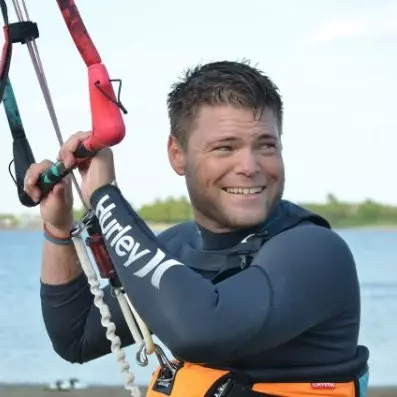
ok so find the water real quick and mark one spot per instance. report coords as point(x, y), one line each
point(27, 355)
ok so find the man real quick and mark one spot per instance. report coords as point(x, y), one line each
point(256, 287)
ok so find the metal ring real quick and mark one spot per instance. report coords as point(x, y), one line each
point(141, 355)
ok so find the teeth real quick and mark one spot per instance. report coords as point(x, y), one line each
point(244, 190)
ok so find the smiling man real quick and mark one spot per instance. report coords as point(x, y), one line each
point(231, 160)
point(257, 296)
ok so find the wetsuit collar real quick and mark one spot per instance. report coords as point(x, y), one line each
point(220, 241)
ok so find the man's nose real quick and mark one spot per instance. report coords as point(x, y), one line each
point(247, 163)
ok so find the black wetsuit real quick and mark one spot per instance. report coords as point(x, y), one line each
point(282, 304)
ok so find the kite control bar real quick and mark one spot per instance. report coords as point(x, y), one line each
point(108, 127)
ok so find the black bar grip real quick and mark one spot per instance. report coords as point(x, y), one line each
point(51, 176)
point(83, 152)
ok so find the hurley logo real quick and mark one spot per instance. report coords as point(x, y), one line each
point(125, 245)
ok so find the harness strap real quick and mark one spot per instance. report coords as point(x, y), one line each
point(235, 386)
point(16, 32)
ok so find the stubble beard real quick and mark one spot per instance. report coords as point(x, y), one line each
point(213, 214)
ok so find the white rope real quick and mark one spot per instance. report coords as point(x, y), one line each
point(105, 316)
point(147, 337)
point(129, 312)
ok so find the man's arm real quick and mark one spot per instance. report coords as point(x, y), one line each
point(72, 321)
point(59, 264)
point(299, 279)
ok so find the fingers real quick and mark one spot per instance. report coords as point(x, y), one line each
point(104, 154)
point(61, 189)
point(84, 166)
point(65, 155)
point(32, 176)
point(69, 147)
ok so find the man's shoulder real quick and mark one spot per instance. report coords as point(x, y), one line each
point(311, 255)
point(310, 234)
point(302, 214)
point(313, 242)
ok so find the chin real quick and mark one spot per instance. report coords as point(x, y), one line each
point(248, 220)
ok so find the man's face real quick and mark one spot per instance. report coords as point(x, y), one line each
point(233, 167)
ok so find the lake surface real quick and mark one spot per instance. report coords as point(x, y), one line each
point(27, 355)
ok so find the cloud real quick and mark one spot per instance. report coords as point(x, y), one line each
point(368, 24)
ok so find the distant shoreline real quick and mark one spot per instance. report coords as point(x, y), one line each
point(159, 227)
point(162, 214)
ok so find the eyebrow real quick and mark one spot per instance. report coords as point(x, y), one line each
point(233, 138)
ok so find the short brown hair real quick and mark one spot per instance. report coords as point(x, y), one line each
point(224, 82)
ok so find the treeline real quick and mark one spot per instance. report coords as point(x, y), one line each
point(8, 221)
point(170, 210)
point(338, 213)
point(173, 210)
point(343, 214)
point(167, 211)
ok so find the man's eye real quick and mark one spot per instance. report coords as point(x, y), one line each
point(268, 146)
point(223, 148)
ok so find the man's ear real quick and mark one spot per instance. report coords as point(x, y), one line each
point(176, 155)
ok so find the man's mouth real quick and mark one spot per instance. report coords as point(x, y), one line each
point(244, 190)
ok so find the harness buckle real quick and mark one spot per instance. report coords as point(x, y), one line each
point(237, 385)
point(166, 376)
point(223, 389)
point(141, 355)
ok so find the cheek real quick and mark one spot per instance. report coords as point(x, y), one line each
point(204, 173)
point(274, 167)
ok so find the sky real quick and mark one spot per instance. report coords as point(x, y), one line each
point(334, 62)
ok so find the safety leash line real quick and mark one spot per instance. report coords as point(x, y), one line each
point(105, 315)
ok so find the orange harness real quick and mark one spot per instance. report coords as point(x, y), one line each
point(193, 380)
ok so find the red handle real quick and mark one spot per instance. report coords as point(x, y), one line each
point(108, 128)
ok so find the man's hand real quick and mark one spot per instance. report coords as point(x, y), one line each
point(57, 207)
point(95, 172)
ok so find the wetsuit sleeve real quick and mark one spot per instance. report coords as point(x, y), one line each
point(73, 322)
point(299, 279)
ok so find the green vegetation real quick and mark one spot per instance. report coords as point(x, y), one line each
point(171, 210)
point(160, 214)
point(343, 214)
point(168, 211)
point(9, 221)
point(340, 214)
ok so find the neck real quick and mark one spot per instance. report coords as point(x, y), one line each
point(222, 239)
